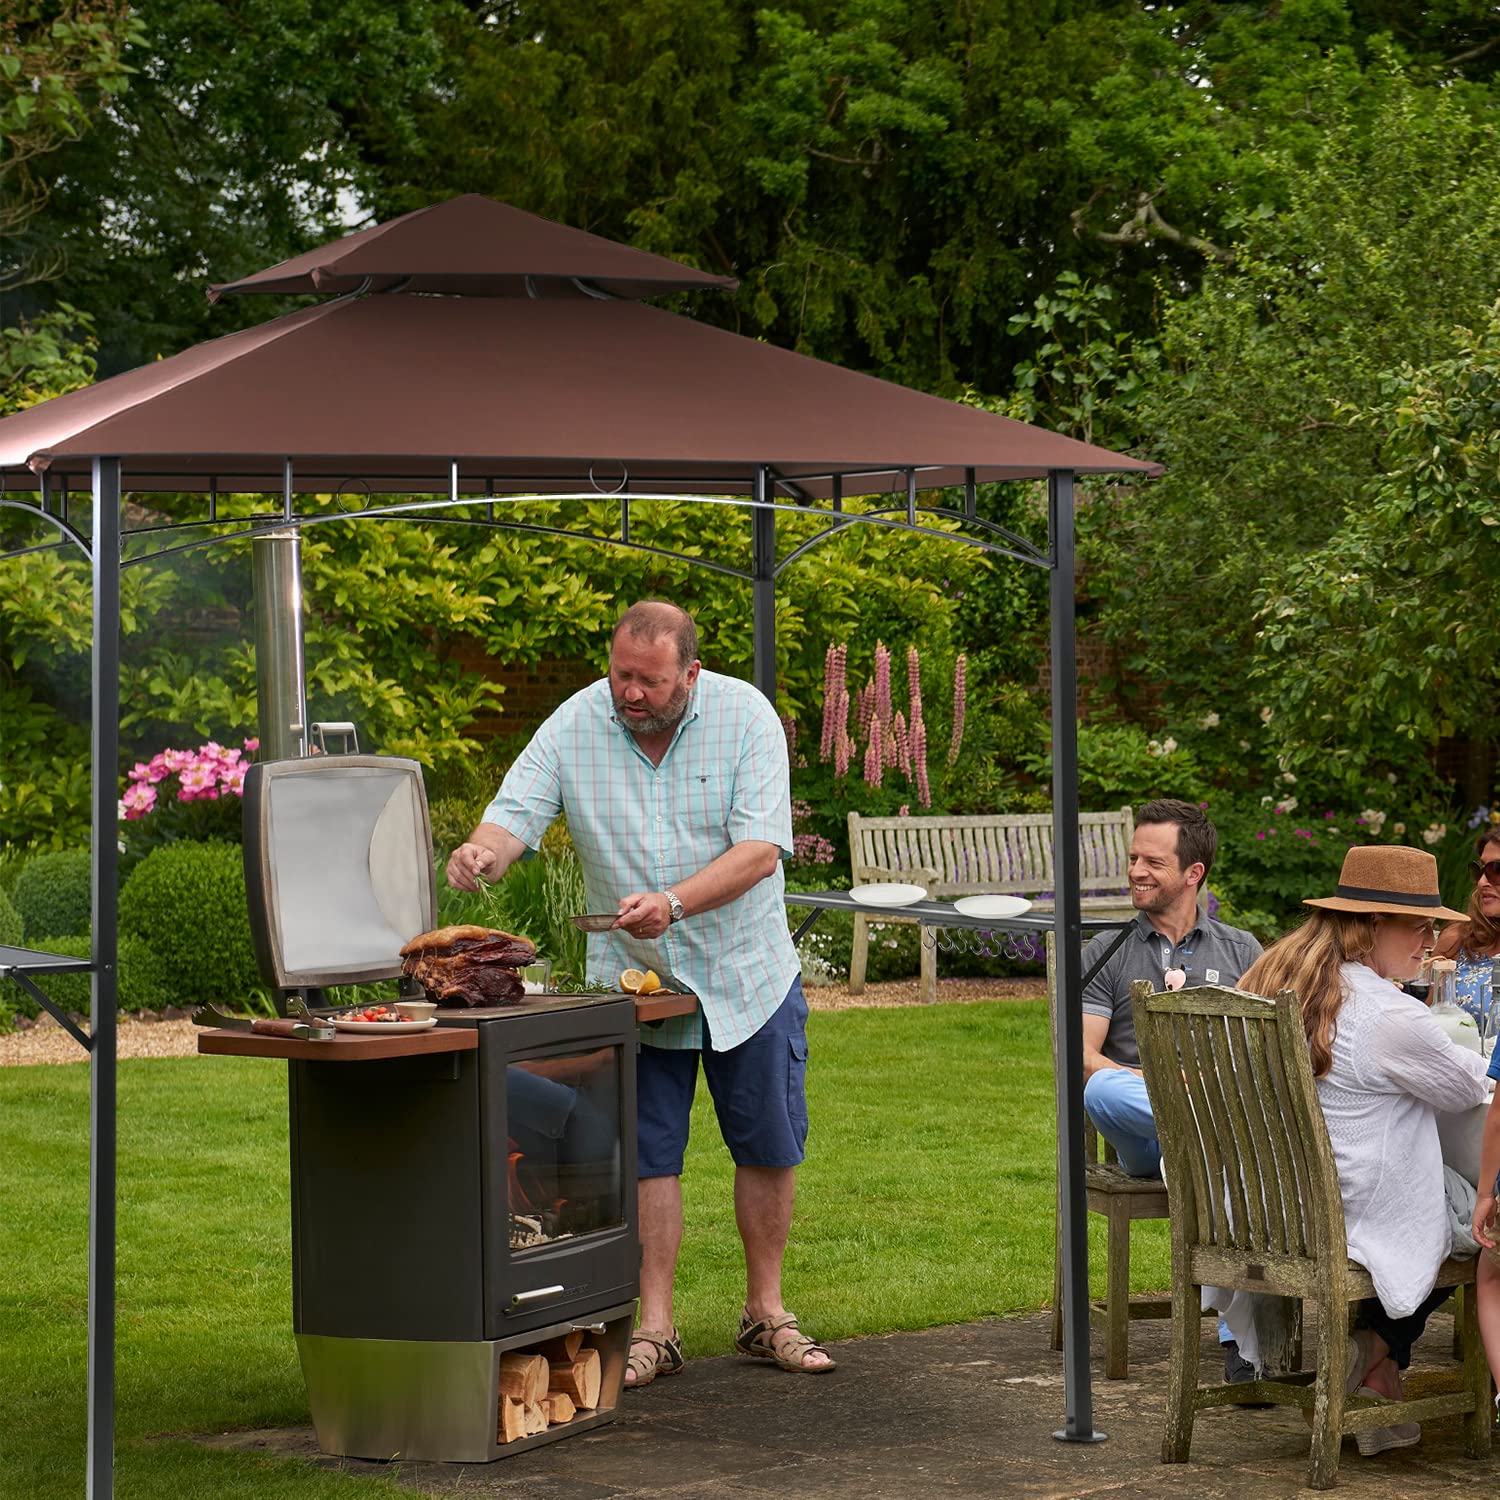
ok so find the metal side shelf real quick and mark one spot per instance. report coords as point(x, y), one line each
point(34, 961)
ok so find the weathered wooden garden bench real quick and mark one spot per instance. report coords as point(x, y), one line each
point(1001, 854)
point(1255, 1206)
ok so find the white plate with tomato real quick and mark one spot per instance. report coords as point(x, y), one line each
point(381, 1018)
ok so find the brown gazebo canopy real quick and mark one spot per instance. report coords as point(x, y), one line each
point(522, 380)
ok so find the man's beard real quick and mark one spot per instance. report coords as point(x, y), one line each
point(662, 723)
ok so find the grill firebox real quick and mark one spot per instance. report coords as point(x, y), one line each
point(448, 1207)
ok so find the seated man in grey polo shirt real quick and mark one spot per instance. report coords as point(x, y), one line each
point(1173, 943)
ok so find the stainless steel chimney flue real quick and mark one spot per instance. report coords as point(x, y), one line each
point(281, 694)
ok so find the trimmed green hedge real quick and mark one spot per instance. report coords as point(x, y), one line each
point(11, 928)
point(52, 895)
point(143, 980)
point(187, 901)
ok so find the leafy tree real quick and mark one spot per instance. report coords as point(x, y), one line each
point(1389, 234)
point(247, 135)
point(1383, 631)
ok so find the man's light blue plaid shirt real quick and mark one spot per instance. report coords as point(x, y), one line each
point(639, 827)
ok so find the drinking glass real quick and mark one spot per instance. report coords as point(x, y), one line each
point(535, 978)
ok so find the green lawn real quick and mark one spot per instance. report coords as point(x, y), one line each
point(926, 1199)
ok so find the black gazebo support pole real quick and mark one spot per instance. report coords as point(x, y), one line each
point(105, 986)
point(763, 584)
point(1068, 929)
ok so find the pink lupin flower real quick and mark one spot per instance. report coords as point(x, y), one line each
point(914, 682)
point(882, 683)
point(833, 688)
point(864, 709)
point(875, 755)
point(919, 762)
point(789, 729)
point(959, 669)
point(903, 744)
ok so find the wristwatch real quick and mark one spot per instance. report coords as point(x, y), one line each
point(674, 906)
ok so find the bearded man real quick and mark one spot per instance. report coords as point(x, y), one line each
point(677, 791)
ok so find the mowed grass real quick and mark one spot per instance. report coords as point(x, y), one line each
point(926, 1199)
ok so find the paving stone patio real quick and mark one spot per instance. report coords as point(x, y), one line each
point(957, 1412)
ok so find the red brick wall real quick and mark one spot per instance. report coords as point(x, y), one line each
point(531, 693)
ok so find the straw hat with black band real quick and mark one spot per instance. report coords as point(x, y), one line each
point(1388, 880)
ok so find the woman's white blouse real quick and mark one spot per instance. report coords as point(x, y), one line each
point(1393, 1069)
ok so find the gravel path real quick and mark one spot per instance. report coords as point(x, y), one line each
point(49, 1043)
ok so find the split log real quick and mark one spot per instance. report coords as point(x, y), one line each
point(536, 1418)
point(559, 1407)
point(579, 1379)
point(563, 1349)
point(523, 1377)
point(512, 1420)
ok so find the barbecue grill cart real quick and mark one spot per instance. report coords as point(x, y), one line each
point(463, 1197)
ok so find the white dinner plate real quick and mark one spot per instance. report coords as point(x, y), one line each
point(991, 906)
point(394, 1026)
point(888, 893)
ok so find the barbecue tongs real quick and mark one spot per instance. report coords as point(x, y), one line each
point(301, 1024)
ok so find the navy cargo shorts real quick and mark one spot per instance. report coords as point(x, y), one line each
point(759, 1091)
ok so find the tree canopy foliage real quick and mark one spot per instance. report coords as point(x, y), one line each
point(1255, 243)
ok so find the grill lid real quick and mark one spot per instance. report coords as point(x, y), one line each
point(338, 867)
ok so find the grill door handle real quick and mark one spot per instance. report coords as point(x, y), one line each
point(520, 1299)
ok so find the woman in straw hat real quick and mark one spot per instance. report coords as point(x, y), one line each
point(1384, 1067)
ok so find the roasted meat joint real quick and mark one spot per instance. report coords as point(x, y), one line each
point(468, 966)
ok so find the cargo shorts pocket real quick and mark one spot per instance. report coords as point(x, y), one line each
point(796, 1086)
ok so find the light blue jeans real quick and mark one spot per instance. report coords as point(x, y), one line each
point(1120, 1108)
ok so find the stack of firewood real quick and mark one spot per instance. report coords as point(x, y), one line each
point(547, 1386)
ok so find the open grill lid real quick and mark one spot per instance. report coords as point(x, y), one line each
point(338, 867)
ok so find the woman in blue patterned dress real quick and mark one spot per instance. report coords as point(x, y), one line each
point(1475, 944)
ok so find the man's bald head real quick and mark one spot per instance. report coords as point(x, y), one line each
point(651, 619)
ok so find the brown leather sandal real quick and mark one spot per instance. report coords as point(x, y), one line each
point(758, 1340)
point(665, 1357)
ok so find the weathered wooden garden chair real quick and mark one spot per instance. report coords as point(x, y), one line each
point(1121, 1199)
point(1255, 1206)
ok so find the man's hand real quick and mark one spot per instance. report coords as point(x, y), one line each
point(645, 915)
point(1483, 1226)
point(466, 864)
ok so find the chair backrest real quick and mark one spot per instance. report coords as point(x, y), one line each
point(1004, 854)
point(1249, 1166)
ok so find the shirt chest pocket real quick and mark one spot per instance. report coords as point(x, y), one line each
point(702, 799)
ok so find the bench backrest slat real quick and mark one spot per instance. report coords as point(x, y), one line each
point(998, 854)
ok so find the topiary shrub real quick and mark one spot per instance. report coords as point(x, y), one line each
point(143, 980)
point(52, 895)
point(11, 930)
point(187, 901)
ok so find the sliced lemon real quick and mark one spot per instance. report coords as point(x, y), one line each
point(632, 980)
point(650, 984)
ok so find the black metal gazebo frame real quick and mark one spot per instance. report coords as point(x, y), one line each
point(104, 542)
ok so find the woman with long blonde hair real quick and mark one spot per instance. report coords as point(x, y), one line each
point(1384, 1067)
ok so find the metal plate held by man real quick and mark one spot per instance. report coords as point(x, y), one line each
point(596, 921)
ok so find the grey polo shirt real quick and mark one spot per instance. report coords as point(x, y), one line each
point(1211, 954)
